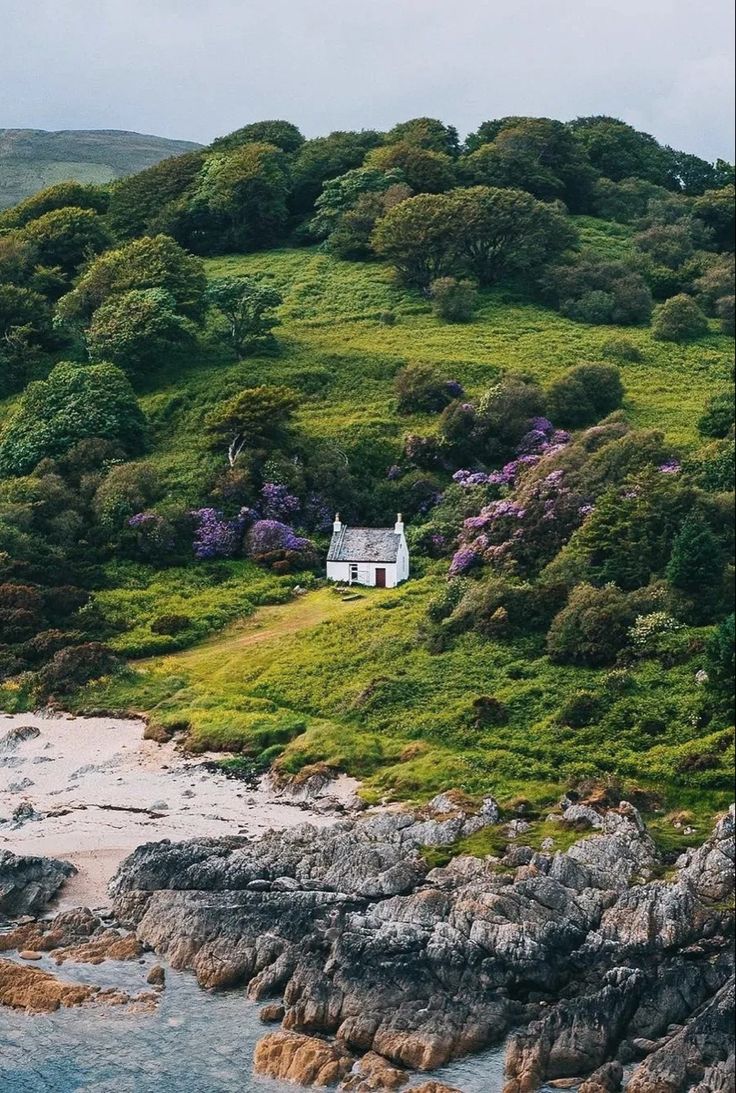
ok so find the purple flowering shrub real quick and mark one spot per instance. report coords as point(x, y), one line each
point(217, 536)
point(275, 544)
point(463, 560)
point(277, 503)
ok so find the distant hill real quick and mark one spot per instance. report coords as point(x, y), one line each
point(31, 159)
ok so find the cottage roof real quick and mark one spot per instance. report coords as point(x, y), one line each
point(364, 545)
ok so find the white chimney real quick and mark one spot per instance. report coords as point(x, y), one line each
point(337, 526)
point(399, 525)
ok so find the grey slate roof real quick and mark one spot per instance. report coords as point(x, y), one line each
point(364, 545)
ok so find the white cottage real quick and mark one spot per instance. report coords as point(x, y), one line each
point(374, 556)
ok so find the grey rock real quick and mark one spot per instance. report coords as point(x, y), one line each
point(18, 787)
point(11, 740)
point(362, 941)
point(28, 883)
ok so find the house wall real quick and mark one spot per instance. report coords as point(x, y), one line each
point(340, 571)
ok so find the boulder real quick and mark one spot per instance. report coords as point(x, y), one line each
point(28, 883)
point(304, 1060)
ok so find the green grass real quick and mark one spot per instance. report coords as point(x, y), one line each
point(334, 349)
point(349, 684)
point(209, 595)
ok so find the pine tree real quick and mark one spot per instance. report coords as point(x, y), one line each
point(696, 563)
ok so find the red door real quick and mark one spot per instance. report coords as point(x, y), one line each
point(380, 578)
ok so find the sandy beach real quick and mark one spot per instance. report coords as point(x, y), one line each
point(100, 790)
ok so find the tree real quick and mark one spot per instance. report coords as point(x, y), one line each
point(254, 418)
point(340, 194)
point(59, 196)
point(628, 536)
point(282, 134)
point(140, 203)
point(241, 200)
point(351, 236)
point(694, 175)
point(508, 232)
point(716, 209)
point(23, 309)
point(696, 561)
point(715, 281)
point(76, 401)
point(248, 305)
point(324, 158)
point(151, 262)
point(720, 667)
point(619, 151)
point(419, 238)
point(486, 232)
point(67, 237)
point(625, 201)
point(592, 628)
point(584, 394)
point(425, 171)
point(426, 133)
point(453, 301)
point(726, 311)
point(679, 319)
point(138, 331)
point(538, 155)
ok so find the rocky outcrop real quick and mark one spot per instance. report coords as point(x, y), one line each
point(304, 1060)
point(703, 1046)
point(37, 991)
point(76, 935)
point(28, 883)
point(377, 957)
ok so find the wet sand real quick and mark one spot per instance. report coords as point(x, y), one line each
point(101, 790)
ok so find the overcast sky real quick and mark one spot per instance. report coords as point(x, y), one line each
point(194, 69)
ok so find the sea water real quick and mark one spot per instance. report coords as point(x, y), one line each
point(195, 1041)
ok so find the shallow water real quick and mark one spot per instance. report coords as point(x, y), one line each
point(196, 1042)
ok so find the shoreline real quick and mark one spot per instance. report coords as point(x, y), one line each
point(94, 789)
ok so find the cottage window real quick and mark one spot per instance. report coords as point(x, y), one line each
point(353, 572)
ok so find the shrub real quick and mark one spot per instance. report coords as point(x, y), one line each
point(592, 628)
point(726, 312)
point(127, 488)
point(170, 624)
point(717, 420)
point(585, 394)
point(453, 301)
point(74, 666)
point(421, 388)
point(597, 291)
point(679, 319)
point(580, 709)
point(489, 710)
point(621, 349)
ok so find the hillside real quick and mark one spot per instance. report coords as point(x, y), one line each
point(31, 159)
point(561, 451)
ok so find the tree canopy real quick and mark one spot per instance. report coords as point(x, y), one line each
point(75, 402)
